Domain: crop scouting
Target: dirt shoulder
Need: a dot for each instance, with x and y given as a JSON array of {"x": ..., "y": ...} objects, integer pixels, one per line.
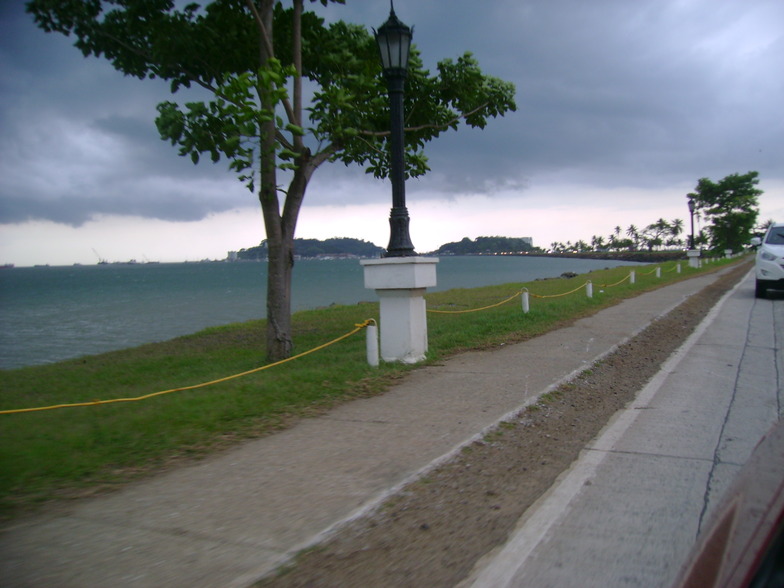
[{"x": 433, "y": 531}]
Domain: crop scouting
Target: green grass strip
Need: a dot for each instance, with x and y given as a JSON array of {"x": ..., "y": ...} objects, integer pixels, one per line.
[{"x": 73, "y": 452}]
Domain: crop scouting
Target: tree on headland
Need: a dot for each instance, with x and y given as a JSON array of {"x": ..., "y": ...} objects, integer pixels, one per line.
[
  {"x": 486, "y": 246},
  {"x": 310, "y": 248},
  {"x": 254, "y": 58},
  {"x": 731, "y": 207},
  {"x": 662, "y": 234}
]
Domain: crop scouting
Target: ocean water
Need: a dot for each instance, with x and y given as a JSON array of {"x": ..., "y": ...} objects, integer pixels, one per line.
[{"x": 48, "y": 314}]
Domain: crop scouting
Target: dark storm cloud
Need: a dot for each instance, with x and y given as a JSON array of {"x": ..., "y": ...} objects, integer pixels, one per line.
[
  {"x": 610, "y": 93},
  {"x": 630, "y": 91}
]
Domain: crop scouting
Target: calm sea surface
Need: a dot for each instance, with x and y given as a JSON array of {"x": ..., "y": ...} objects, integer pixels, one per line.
[{"x": 48, "y": 314}]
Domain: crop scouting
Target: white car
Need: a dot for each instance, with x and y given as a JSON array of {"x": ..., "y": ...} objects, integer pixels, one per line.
[{"x": 769, "y": 266}]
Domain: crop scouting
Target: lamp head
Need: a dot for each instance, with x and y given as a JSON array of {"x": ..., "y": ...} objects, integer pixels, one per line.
[{"x": 394, "y": 41}]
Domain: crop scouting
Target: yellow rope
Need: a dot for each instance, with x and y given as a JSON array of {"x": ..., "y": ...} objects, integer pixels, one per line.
[
  {"x": 558, "y": 295},
  {"x": 621, "y": 281},
  {"x": 357, "y": 328},
  {"x": 476, "y": 309}
]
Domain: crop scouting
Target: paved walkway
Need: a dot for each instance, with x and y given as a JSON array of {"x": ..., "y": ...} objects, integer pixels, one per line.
[
  {"x": 629, "y": 510},
  {"x": 230, "y": 519}
]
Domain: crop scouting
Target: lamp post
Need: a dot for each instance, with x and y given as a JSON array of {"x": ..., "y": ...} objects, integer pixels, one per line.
[
  {"x": 394, "y": 42},
  {"x": 691, "y": 214},
  {"x": 402, "y": 277},
  {"x": 692, "y": 254}
]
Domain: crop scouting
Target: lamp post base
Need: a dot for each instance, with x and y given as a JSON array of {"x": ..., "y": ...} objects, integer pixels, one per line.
[
  {"x": 400, "y": 244},
  {"x": 400, "y": 283},
  {"x": 694, "y": 257}
]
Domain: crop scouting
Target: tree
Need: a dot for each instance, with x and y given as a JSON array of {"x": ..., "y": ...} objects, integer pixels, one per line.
[
  {"x": 252, "y": 56},
  {"x": 662, "y": 232},
  {"x": 731, "y": 206},
  {"x": 485, "y": 246},
  {"x": 633, "y": 233},
  {"x": 676, "y": 228}
]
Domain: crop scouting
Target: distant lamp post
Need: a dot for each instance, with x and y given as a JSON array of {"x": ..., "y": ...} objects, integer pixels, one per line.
[
  {"x": 692, "y": 254},
  {"x": 394, "y": 42},
  {"x": 691, "y": 214}
]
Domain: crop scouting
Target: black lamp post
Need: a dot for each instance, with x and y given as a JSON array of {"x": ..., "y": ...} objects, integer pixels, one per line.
[
  {"x": 691, "y": 213},
  {"x": 394, "y": 42}
]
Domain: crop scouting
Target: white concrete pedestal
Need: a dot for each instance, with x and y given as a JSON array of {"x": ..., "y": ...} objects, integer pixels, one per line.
[
  {"x": 694, "y": 257},
  {"x": 400, "y": 283}
]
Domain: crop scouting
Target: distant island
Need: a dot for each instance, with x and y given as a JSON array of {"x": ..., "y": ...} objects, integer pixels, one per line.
[
  {"x": 334, "y": 248},
  {"x": 348, "y": 248},
  {"x": 489, "y": 246}
]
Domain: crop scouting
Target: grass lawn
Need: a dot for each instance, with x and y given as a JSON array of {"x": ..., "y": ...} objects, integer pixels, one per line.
[{"x": 69, "y": 452}]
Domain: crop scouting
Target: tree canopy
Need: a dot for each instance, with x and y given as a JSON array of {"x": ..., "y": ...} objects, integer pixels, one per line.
[
  {"x": 337, "y": 246},
  {"x": 254, "y": 57},
  {"x": 486, "y": 245},
  {"x": 731, "y": 206}
]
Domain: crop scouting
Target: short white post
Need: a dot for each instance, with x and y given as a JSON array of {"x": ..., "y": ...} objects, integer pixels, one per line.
[
  {"x": 371, "y": 345},
  {"x": 632, "y": 277},
  {"x": 524, "y": 297},
  {"x": 658, "y": 272},
  {"x": 679, "y": 268},
  {"x": 589, "y": 289}
]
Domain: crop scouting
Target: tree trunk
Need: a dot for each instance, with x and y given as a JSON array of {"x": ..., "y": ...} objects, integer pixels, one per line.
[
  {"x": 281, "y": 262},
  {"x": 280, "y": 242},
  {"x": 279, "y": 272},
  {"x": 280, "y": 226}
]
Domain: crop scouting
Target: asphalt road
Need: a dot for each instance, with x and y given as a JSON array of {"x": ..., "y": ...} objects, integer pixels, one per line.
[{"x": 629, "y": 511}]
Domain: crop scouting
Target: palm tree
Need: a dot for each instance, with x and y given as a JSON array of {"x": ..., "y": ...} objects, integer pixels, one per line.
[
  {"x": 634, "y": 235},
  {"x": 676, "y": 227}
]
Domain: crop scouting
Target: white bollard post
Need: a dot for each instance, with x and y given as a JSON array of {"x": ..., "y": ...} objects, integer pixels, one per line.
[
  {"x": 371, "y": 345},
  {"x": 589, "y": 289},
  {"x": 658, "y": 272},
  {"x": 526, "y": 307},
  {"x": 679, "y": 268},
  {"x": 632, "y": 277}
]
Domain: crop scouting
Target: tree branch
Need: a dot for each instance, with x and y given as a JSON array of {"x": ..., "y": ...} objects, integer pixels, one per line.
[
  {"x": 262, "y": 29},
  {"x": 267, "y": 40},
  {"x": 323, "y": 156},
  {"x": 297, "y": 52},
  {"x": 284, "y": 140},
  {"x": 428, "y": 126}
]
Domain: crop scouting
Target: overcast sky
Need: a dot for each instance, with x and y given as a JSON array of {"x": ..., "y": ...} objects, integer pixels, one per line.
[{"x": 622, "y": 106}]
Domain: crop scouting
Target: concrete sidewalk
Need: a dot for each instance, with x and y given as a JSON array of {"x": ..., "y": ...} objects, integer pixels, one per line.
[
  {"x": 230, "y": 519},
  {"x": 629, "y": 510}
]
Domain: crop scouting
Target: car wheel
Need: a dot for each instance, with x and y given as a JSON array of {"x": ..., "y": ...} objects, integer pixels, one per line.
[{"x": 761, "y": 290}]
